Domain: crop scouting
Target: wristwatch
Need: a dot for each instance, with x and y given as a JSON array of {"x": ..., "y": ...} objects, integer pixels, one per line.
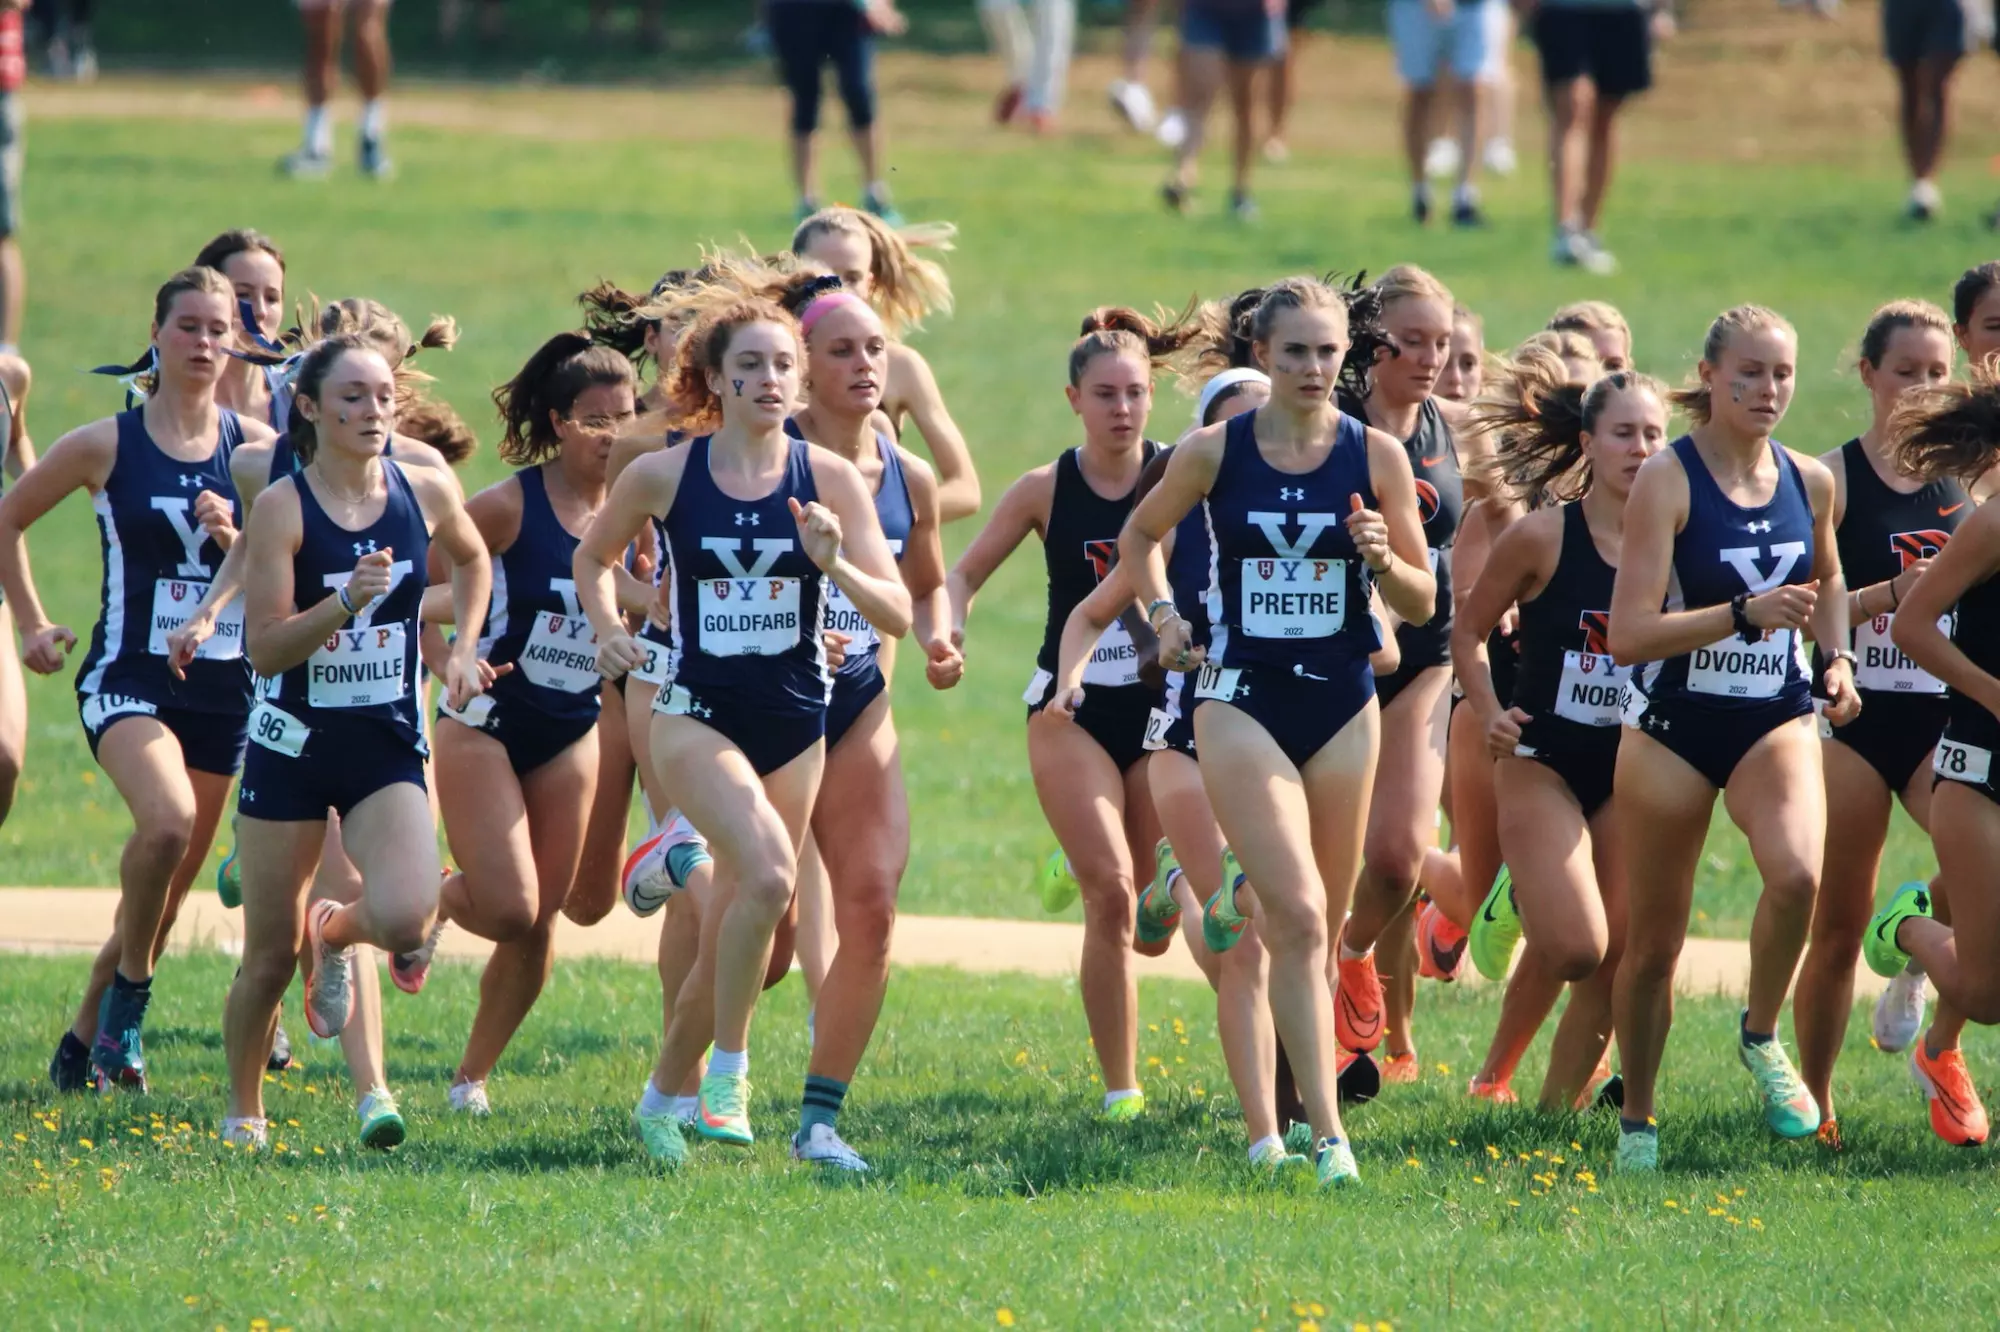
[{"x": 1740, "y": 613}]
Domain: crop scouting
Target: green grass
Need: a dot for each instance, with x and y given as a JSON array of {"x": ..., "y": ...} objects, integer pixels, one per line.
[
  {"x": 994, "y": 1189},
  {"x": 501, "y": 230}
]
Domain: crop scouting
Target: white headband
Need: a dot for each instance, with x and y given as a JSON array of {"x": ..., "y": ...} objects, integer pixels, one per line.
[{"x": 1221, "y": 384}]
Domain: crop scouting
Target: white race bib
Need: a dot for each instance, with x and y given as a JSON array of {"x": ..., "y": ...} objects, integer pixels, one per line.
[
  {"x": 99, "y": 709},
  {"x": 1592, "y": 690},
  {"x": 1218, "y": 683},
  {"x": 748, "y": 617},
  {"x": 1880, "y": 664},
  {"x": 1962, "y": 763},
  {"x": 844, "y": 617},
  {"x": 1114, "y": 659},
  {"x": 657, "y": 667},
  {"x": 1295, "y": 599},
  {"x": 358, "y": 667},
  {"x": 478, "y": 710},
  {"x": 561, "y": 653},
  {"x": 1732, "y": 668},
  {"x": 1157, "y": 723},
  {"x": 174, "y": 599},
  {"x": 274, "y": 728}
]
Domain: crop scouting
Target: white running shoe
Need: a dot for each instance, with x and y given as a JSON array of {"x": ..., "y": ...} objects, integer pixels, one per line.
[
  {"x": 822, "y": 1145},
  {"x": 249, "y": 1134},
  {"x": 648, "y": 882},
  {"x": 1172, "y": 129},
  {"x": 1899, "y": 1011},
  {"x": 1579, "y": 249},
  {"x": 1134, "y": 104},
  {"x": 469, "y": 1098},
  {"x": 1500, "y": 157},
  {"x": 329, "y": 978},
  {"x": 1442, "y": 158}
]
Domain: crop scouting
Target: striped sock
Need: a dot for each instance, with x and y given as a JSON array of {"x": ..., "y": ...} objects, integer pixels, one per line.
[{"x": 821, "y": 1103}]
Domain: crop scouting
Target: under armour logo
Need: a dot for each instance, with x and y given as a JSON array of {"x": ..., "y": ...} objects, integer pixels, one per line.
[
  {"x": 1763, "y": 525},
  {"x": 696, "y": 708},
  {"x": 188, "y": 482},
  {"x": 364, "y": 547},
  {"x": 747, "y": 519},
  {"x": 1291, "y": 493}
]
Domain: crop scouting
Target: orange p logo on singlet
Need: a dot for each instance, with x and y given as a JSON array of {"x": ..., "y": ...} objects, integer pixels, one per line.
[
  {"x": 1596, "y": 626},
  {"x": 1910, "y": 547}
]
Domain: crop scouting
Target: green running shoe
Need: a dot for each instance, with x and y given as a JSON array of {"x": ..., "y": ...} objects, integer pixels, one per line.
[
  {"x": 1159, "y": 913},
  {"x": 382, "y": 1125},
  {"x": 1496, "y": 928},
  {"x": 1638, "y": 1151},
  {"x": 1299, "y": 1137},
  {"x": 1056, "y": 883},
  {"x": 1221, "y": 923},
  {"x": 1274, "y": 1158},
  {"x": 1885, "y": 956},
  {"x": 229, "y": 881},
  {"x": 722, "y": 1112},
  {"x": 1124, "y": 1111},
  {"x": 662, "y": 1137},
  {"x": 1788, "y": 1107},
  {"x": 1336, "y": 1165}
]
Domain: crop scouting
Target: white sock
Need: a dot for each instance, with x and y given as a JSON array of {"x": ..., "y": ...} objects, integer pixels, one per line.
[
  {"x": 878, "y": 190},
  {"x": 655, "y": 1102},
  {"x": 1351, "y": 955},
  {"x": 724, "y": 1063},
  {"x": 1464, "y": 194},
  {"x": 1272, "y": 1143},
  {"x": 319, "y": 131},
  {"x": 374, "y": 119},
  {"x": 687, "y": 1107},
  {"x": 1112, "y": 1098}
]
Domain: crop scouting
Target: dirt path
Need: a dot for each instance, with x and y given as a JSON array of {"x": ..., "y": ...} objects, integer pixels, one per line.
[{"x": 67, "y": 920}]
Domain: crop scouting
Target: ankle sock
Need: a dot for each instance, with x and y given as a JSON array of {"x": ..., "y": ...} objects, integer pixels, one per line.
[
  {"x": 821, "y": 1102},
  {"x": 655, "y": 1102},
  {"x": 1754, "y": 1037},
  {"x": 1646, "y": 1126},
  {"x": 726, "y": 1063}
]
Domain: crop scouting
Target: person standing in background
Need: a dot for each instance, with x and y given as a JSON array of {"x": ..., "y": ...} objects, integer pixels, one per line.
[
  {"x": 1924, "y": 40},
  {"x": 806, "y": 34},
  {"x": 322, "y": 18},
  {"x": 1035, "y": 46},
  {"x": 1432, "y": 37},
  {"x": 13, "y": 117},
  {"x": 1129, "y": 96},
  {"x": 63, "y": 33}
]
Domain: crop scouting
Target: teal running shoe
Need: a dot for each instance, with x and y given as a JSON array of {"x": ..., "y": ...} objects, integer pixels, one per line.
[
  {"x": 1124, "y": 1110},
  {"x": 1496, "y": 929},
  {"x": 1638, "y": 1151},
  {"x": 1336, "y": 1164},
  {"x": 1299, "y": 1137},
  {"x": 229, "y": 881},
  {"x": 662, "y": 1137},
  {"x": 1885, "y": 955},
  {"x": 1788, "y": 1107},
  {"x": 1221, "y": 923},
  {"x": 1273, "y": 1158},
  {"x": 1159, "y": 913},
  {"x": 722, "y": 1113},
  {"x": 382, "y": 1125},
  {"x": 1056, "y": 884}
]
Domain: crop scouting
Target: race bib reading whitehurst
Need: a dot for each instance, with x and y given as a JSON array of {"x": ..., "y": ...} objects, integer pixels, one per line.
[{"x": 174, "y": 599}]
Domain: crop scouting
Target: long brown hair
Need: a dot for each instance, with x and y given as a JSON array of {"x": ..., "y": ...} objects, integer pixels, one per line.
[
  {"x": 559, "y": 372},
  {"x": 1116, "y": 329},
  {"x": 704, "y": 349},
  {"x": 1950, "y": 430},
  {"x": 1695, "y": 398},
  {"x": 1537, "y": 417},
  {"x": 906, "y": 286}
]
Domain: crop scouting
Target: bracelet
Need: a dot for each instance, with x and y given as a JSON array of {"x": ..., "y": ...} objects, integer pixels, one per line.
[
  {"x": 1739, "y": 614},
  {"x": 1846, "y": 655},
  {"x": 347, "y": 603},
  {"x": 1153, "y": 610},
  {"x": 1895, "y": 597}
]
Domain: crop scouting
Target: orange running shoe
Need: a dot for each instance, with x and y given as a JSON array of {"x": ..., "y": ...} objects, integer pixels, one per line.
[
  {"x": 1829, "y": 1136},
  {"x": 1956, "y": 1114},
  {"x": 1600, "y": 1080},
  {"x": 1401, "y": 1068},
  {"x": 1499, "y": 1093},
  {"x": 1357, "y": 1005},
  {"x": 1440, "y": 944}
]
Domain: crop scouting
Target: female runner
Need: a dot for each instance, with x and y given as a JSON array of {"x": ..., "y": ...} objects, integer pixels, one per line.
[
  {"x": 164, "y": 717},
  {"x": 1889, "y": 527},
  {"x": 738, "y": 738},
  {"x": 1975, "y": 312},
  {"x": 17, "y": 455},
  {"x": 1554, "y": 737},
  {"x": 255, "y": 268},
  {"x": 1739, "y": 531},
  {"x": 1088, "y": 776},
  {"x": 337, "y": 724},
  {"x": 1287, "y": 729},
  {"x": 879, "y": 264},
  {"x": 1600, "y": 321}
]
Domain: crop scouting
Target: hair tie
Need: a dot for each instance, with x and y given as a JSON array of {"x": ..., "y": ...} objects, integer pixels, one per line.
[
  {"x": 821, "y": 306},
  {"x": 1221, "y": 384}
]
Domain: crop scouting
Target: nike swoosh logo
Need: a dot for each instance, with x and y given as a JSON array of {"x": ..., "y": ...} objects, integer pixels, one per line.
[
  {"x": 1946, "y": 513},
  {"x": 1430, "y": 462}
]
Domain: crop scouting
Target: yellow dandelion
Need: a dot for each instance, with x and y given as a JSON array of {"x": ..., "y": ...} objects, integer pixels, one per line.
[
  {"x": 1451, "y": 1142},
  {"x": 1308, "y": 1325},
  {"x": 1444, "y": 1070},
  {"x": 319, "y": 1151},
  {"x": 85, "y": 1143},
  {"x": 260, "y": 1325},
  {"x": 1756, "y": 1224},
  {"x": 1318, "y": 1309},
  {"x": 1414, "y": 1162},
  {"x": 1004, "y": 1317},
  {"x": 1020, "y": 1058},
  {"x": 1739, "y": 1192},
  {"x": 1671, "y": 1203},
  {"x": 1574, "y": 1212},
  {"x": 1479, "y": 1179},
  {"x": 1513, "y": 1202},
  {"x": 1298, "y": 1309},
  {"x": 190, "y": 1300},
  {"x": 1153, "y": 1027},
  {"x": 20, "y": 1137},
  {"x": 291, "y": 1123},
  {"x": 183, "y": 1127},
  {"x": 1575, "y": 1146},
  {"x": 1383, "y": 1326}
]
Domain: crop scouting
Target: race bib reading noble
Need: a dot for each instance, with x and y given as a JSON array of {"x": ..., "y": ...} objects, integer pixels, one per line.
[
  {"x": 1880, "y": 664},
  {"x": 748, "y": 617},
  {"x": 174, "y": 599},
  {"x": 561, "y": 653},
  {"x": 359, "y": 667},
  {"x": 1733, "y": 668},
  {"x": 1592, "y": 690},
  {"x": 1296, "y": 599}
]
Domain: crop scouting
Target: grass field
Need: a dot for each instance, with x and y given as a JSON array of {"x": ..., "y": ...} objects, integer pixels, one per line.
[{"x": 994, "y": 1190}]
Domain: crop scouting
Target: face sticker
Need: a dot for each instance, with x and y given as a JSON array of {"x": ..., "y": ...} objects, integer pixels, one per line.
[
  {"x": 739, "y": 386},
  {"x": 1738, "y": 389}
]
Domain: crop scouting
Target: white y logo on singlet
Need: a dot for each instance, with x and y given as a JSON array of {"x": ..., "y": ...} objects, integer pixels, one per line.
[
  {"x": 1743, "y": 559},
  {"x": 768, "y": 550},
  {"x": 566, "y": 589},
  {"x": 1273, "y": 527},
  {"x": 176, "y": 511},
  {"x": 398, "y": 571}
]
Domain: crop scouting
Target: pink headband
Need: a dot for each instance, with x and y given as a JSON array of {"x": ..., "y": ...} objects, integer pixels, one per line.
[{"x": 821, "y": 306}]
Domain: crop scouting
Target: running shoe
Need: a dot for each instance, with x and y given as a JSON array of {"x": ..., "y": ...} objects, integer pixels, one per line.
[
  {"x": 822, "y": 1146},
  {"x": 248, "y": 1134},
  {"x": 724, "y": 1114},
  {"x": 1420, "y": 205},
  {"x": 469, "y": 1098},
  {"x": 1500, "y": 156},
  {"x": 1008, "y": 104},
  {"x": 877, "y": 203},
  {"x": 1336, "y": 1164},
  {"x": 1272, "y": 1157},
  {"x": 1357, "y": 1005},
  {"x": 280, "y": 1057},
  {"x": 1357, "y": 1077},
  {"x": 1578, "y": 249},
  {"x": 662, "y": 1137},
  {"x": 1885, "y": 956},
  {"x": 1442, "y": 158},
  {"x": 1926, "y": 202},
  {"x": 654, "y": 873},
  {"x": 1299, "y": 1139},
  {"x": 1600, "y": 1086},
  {"x": 1276, "y": 150},
  {"x": 118, "y": 1054},
  {"x": 1440, "y": 944},
  {"x": 1133, "y": 104},
  {"x": 1899, "y": 1011},
  {"x": 1124, "y": 1110},
  {"x": 382, "y": 1125},
  {"x": 70, "y": 1069},
  {"x": 1829, "y": 1136},
  {"x": 1172, "y": 129},
  {"x": 1175, "y": 196},
  {"x": 306, "y": 163},
  {"x": 1242, "y": 207},
  {"x": 1956, "y": 1114},
  {"x": 1638, "y": 1150},
  {"x": 374, "y": 158},
  {"x": 1466, "y": 213},
  {"x": 229, "y": 881},
  {"x": 1596, "y": 259},
  {"x": 1221, "y": 923},
  {"x": 1500, "y": 1092},
  {"x": 1788, "y": 1107},
  {"x": 1496, "y": 929},
  {"x": 329, "y": 976},
  {"x": 1056, "y": 883},
  {"x": 1159, "y": 913},
  {"x": 410, "y": 970},
  {"x": 1402, "y": 1069}
]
